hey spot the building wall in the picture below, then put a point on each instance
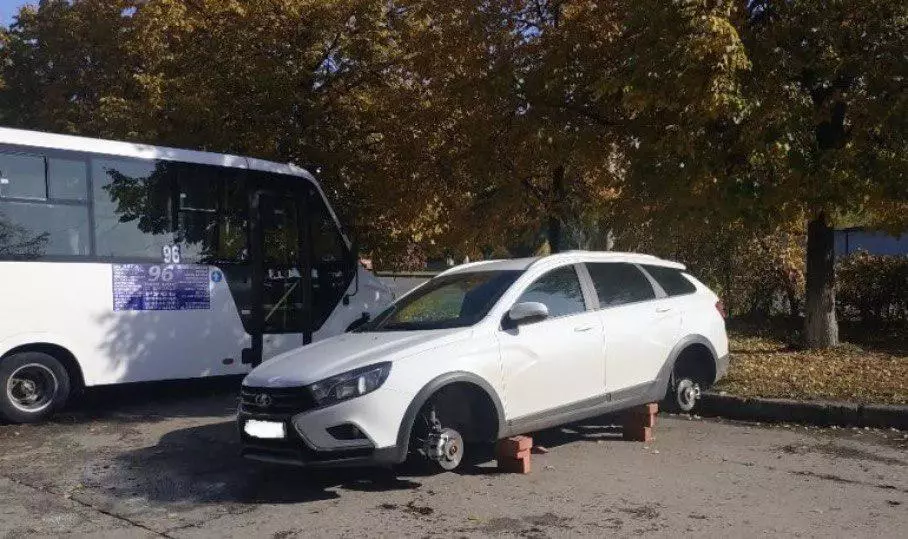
(851, 240)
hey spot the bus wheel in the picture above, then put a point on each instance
(34, 385)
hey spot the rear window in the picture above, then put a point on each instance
(618, 283)
(671, 280)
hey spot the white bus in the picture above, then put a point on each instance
(124, 262)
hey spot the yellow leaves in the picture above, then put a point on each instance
(765, 367)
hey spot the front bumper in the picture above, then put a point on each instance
(295, 451)
(309, 442)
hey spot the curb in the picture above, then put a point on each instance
(822, 413)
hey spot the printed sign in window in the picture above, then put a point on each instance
(160, 287)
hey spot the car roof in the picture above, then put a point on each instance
(522, 264)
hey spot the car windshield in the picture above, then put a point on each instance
(449, 301)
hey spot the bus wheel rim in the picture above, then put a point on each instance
(31, 387)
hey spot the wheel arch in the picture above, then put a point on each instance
(435, 385)
(58, 352)
(689, 342)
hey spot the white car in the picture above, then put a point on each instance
(485, 351)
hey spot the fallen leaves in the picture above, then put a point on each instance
(762, 366)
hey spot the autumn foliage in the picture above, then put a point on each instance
(712, 131)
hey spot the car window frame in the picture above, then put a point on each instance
(658, 292)
(659, 286)
(588, 298)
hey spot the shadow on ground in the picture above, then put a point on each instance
(202, 465)
(150, 401)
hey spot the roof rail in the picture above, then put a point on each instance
(466, 265)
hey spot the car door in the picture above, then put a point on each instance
(558, 361)
(639, 324)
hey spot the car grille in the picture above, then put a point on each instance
(284, 401)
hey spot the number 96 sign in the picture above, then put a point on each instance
(158, 273)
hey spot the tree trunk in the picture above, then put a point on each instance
(821, 326)
(556, 206)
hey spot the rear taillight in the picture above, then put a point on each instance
(721, 308)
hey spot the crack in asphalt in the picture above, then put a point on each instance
(85, 504)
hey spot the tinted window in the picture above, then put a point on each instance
(618, 283)
(67, 179)
(671, 280)
(132, 207)
(22, 176)
(332, 264)
(211, 214)
(33, 230)
(559, 290)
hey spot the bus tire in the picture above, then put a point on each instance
(33, 386)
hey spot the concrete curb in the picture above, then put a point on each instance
(823, 413)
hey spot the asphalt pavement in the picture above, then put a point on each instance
(164, 462)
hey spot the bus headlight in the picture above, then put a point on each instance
(350, 384)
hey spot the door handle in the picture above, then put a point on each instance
(580, 329)
(663, 309)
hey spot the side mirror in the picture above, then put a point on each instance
(528, 311)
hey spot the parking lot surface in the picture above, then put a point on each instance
(164, 462)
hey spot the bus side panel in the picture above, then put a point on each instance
(71, 304)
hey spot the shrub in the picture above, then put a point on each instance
(872, 288)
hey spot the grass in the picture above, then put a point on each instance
(871, 368)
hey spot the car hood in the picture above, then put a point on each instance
(345, 352)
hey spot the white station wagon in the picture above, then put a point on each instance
(488, 350)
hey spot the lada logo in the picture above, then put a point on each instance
(263, 400)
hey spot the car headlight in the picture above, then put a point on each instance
(350, 384)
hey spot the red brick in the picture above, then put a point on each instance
(638, 434)
(639, 421)
(509, 447)
(512, 465)
(646, 409)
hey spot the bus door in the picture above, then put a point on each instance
(281, 273)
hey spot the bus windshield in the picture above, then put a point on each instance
(449, 301)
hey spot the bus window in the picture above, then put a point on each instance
(331, 264)
(67, 179)
(132, 201)
(234, 224)
(32, 226)
(197, 213)
(212, 214)
(282, 292)
(22, 176)
(37, 229)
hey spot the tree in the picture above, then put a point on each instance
(313, 82)
(826, 127)
(554, 108)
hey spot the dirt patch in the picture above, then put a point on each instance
(642, 512)
(840, 451)
(422, 510)
(839, 479)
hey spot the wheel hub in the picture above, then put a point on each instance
(445, 448)
(31, 387)
(688, 393)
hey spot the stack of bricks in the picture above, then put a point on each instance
(513, 454)
(639, 423)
